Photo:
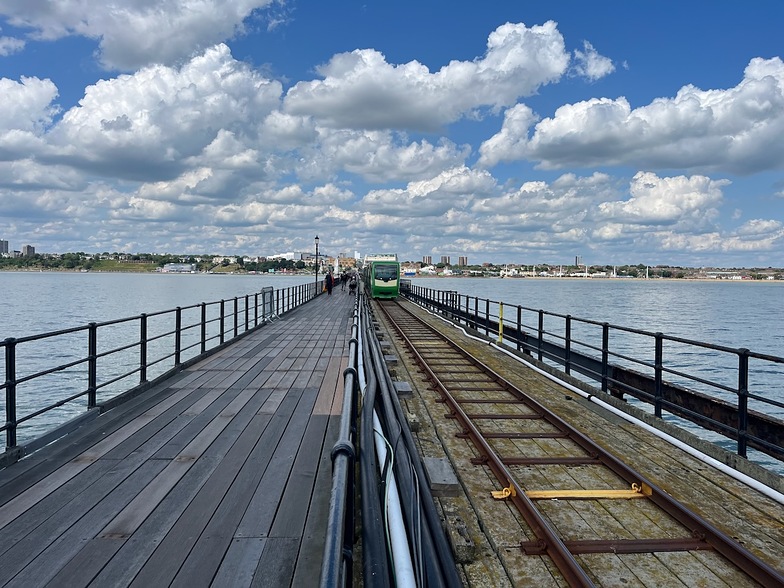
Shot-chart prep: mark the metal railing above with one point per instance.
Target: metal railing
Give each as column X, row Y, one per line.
column 731, row 391
column 121, row 358
column 337, row 563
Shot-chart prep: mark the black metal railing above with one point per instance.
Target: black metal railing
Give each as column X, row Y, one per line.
column 121, row 358
column 732, row 391
column 337, row 563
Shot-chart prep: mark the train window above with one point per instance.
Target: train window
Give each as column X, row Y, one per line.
column 386, row 271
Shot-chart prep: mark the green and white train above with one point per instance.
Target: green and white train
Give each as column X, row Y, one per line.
column 382, row 275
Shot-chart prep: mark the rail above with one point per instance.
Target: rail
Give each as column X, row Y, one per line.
column 730, row 391
column 123, row 358
column 337, row 562
column 402, row 538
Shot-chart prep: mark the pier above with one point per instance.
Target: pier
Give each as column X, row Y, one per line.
column 222, row 473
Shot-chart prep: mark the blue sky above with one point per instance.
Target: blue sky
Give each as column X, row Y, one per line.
column 527, row 132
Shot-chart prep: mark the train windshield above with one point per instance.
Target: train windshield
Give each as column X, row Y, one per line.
column 385, row 271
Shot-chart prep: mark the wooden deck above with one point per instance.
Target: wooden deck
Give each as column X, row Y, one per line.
column 219, row 476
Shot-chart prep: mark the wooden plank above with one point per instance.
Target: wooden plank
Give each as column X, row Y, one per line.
column 132, row 516
column 61, row 549
column 132, row 554
column 311, row 551
column 292, row 510
column 276, row 566
column 166, row 560
column 239, row 565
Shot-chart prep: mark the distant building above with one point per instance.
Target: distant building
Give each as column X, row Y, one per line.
column 3, row 247
column 446, row 260
column 462, row 261
column 179, row 268
column 28, row 251
column 427, row 260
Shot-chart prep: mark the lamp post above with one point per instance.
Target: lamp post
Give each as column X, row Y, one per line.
column 317, row 265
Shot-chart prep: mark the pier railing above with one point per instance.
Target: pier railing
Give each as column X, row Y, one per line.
column 734, row 392
column 95, row 366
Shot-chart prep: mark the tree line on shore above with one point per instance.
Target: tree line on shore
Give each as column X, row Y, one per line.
column 143, row 262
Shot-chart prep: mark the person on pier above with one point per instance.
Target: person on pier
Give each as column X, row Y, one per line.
column 329, row 282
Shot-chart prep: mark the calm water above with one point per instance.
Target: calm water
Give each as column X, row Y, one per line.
column 732, row 314
column 36, row 302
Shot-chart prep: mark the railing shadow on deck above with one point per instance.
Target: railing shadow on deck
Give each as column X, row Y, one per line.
column 733, row 392
column 124, row 357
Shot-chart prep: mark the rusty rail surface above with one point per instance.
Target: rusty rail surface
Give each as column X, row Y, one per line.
column 449, row 369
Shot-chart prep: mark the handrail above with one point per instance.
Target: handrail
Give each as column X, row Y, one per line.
column 152, row 345
column 338, row 548
column 722, row 390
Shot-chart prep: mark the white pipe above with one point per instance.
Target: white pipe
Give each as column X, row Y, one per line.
column 740, row 476
column 401, row 556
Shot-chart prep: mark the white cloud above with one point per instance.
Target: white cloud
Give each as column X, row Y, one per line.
column 10, row 45
column 590, row 64
column 136, row 33
column 666, row 201
column 27, row 105
column 377, row 156
column 451, row 189
column 738, row 130
column 360, row 90
column 146, row 125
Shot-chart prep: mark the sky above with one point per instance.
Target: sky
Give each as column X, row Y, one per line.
column 645, row 132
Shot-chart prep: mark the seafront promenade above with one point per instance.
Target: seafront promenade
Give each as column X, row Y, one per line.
column 219, row 475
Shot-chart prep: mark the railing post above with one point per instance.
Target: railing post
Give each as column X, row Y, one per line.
column 605, row 354
column 92, row 366
column 540, row 342
column 743, row 400
column 568, row 345
column 236, row 313
column 658, row 366
column 519, row 327
column 142, row 348
column 256, row 309
column 476, row 313
column 222, row 321
column 177, row 335
column 487, row 316
column 500, row 323
column 203, row 327
column 10, row 393
column 247, row 311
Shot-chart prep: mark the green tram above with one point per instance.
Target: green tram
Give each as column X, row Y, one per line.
column 382, row 275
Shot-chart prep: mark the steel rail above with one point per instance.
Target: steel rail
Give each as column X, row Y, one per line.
column 557, row 549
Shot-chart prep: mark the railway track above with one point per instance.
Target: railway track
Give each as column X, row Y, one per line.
column 551, row 473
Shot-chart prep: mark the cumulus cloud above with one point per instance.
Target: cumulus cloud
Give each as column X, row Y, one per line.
column 451, row 189
column 377, row 156
column 666, row 201
column 146, row 125
column 136, row 33
column 27, row 105
column 361, row 89
column 739, row 130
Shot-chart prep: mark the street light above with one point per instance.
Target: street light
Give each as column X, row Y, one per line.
column 317, row 264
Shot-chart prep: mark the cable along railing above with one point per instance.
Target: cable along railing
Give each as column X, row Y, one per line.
column 734, row 392
column 54, row 381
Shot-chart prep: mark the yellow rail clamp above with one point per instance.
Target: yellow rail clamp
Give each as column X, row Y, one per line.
column 505, row 493
column 636, row 491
